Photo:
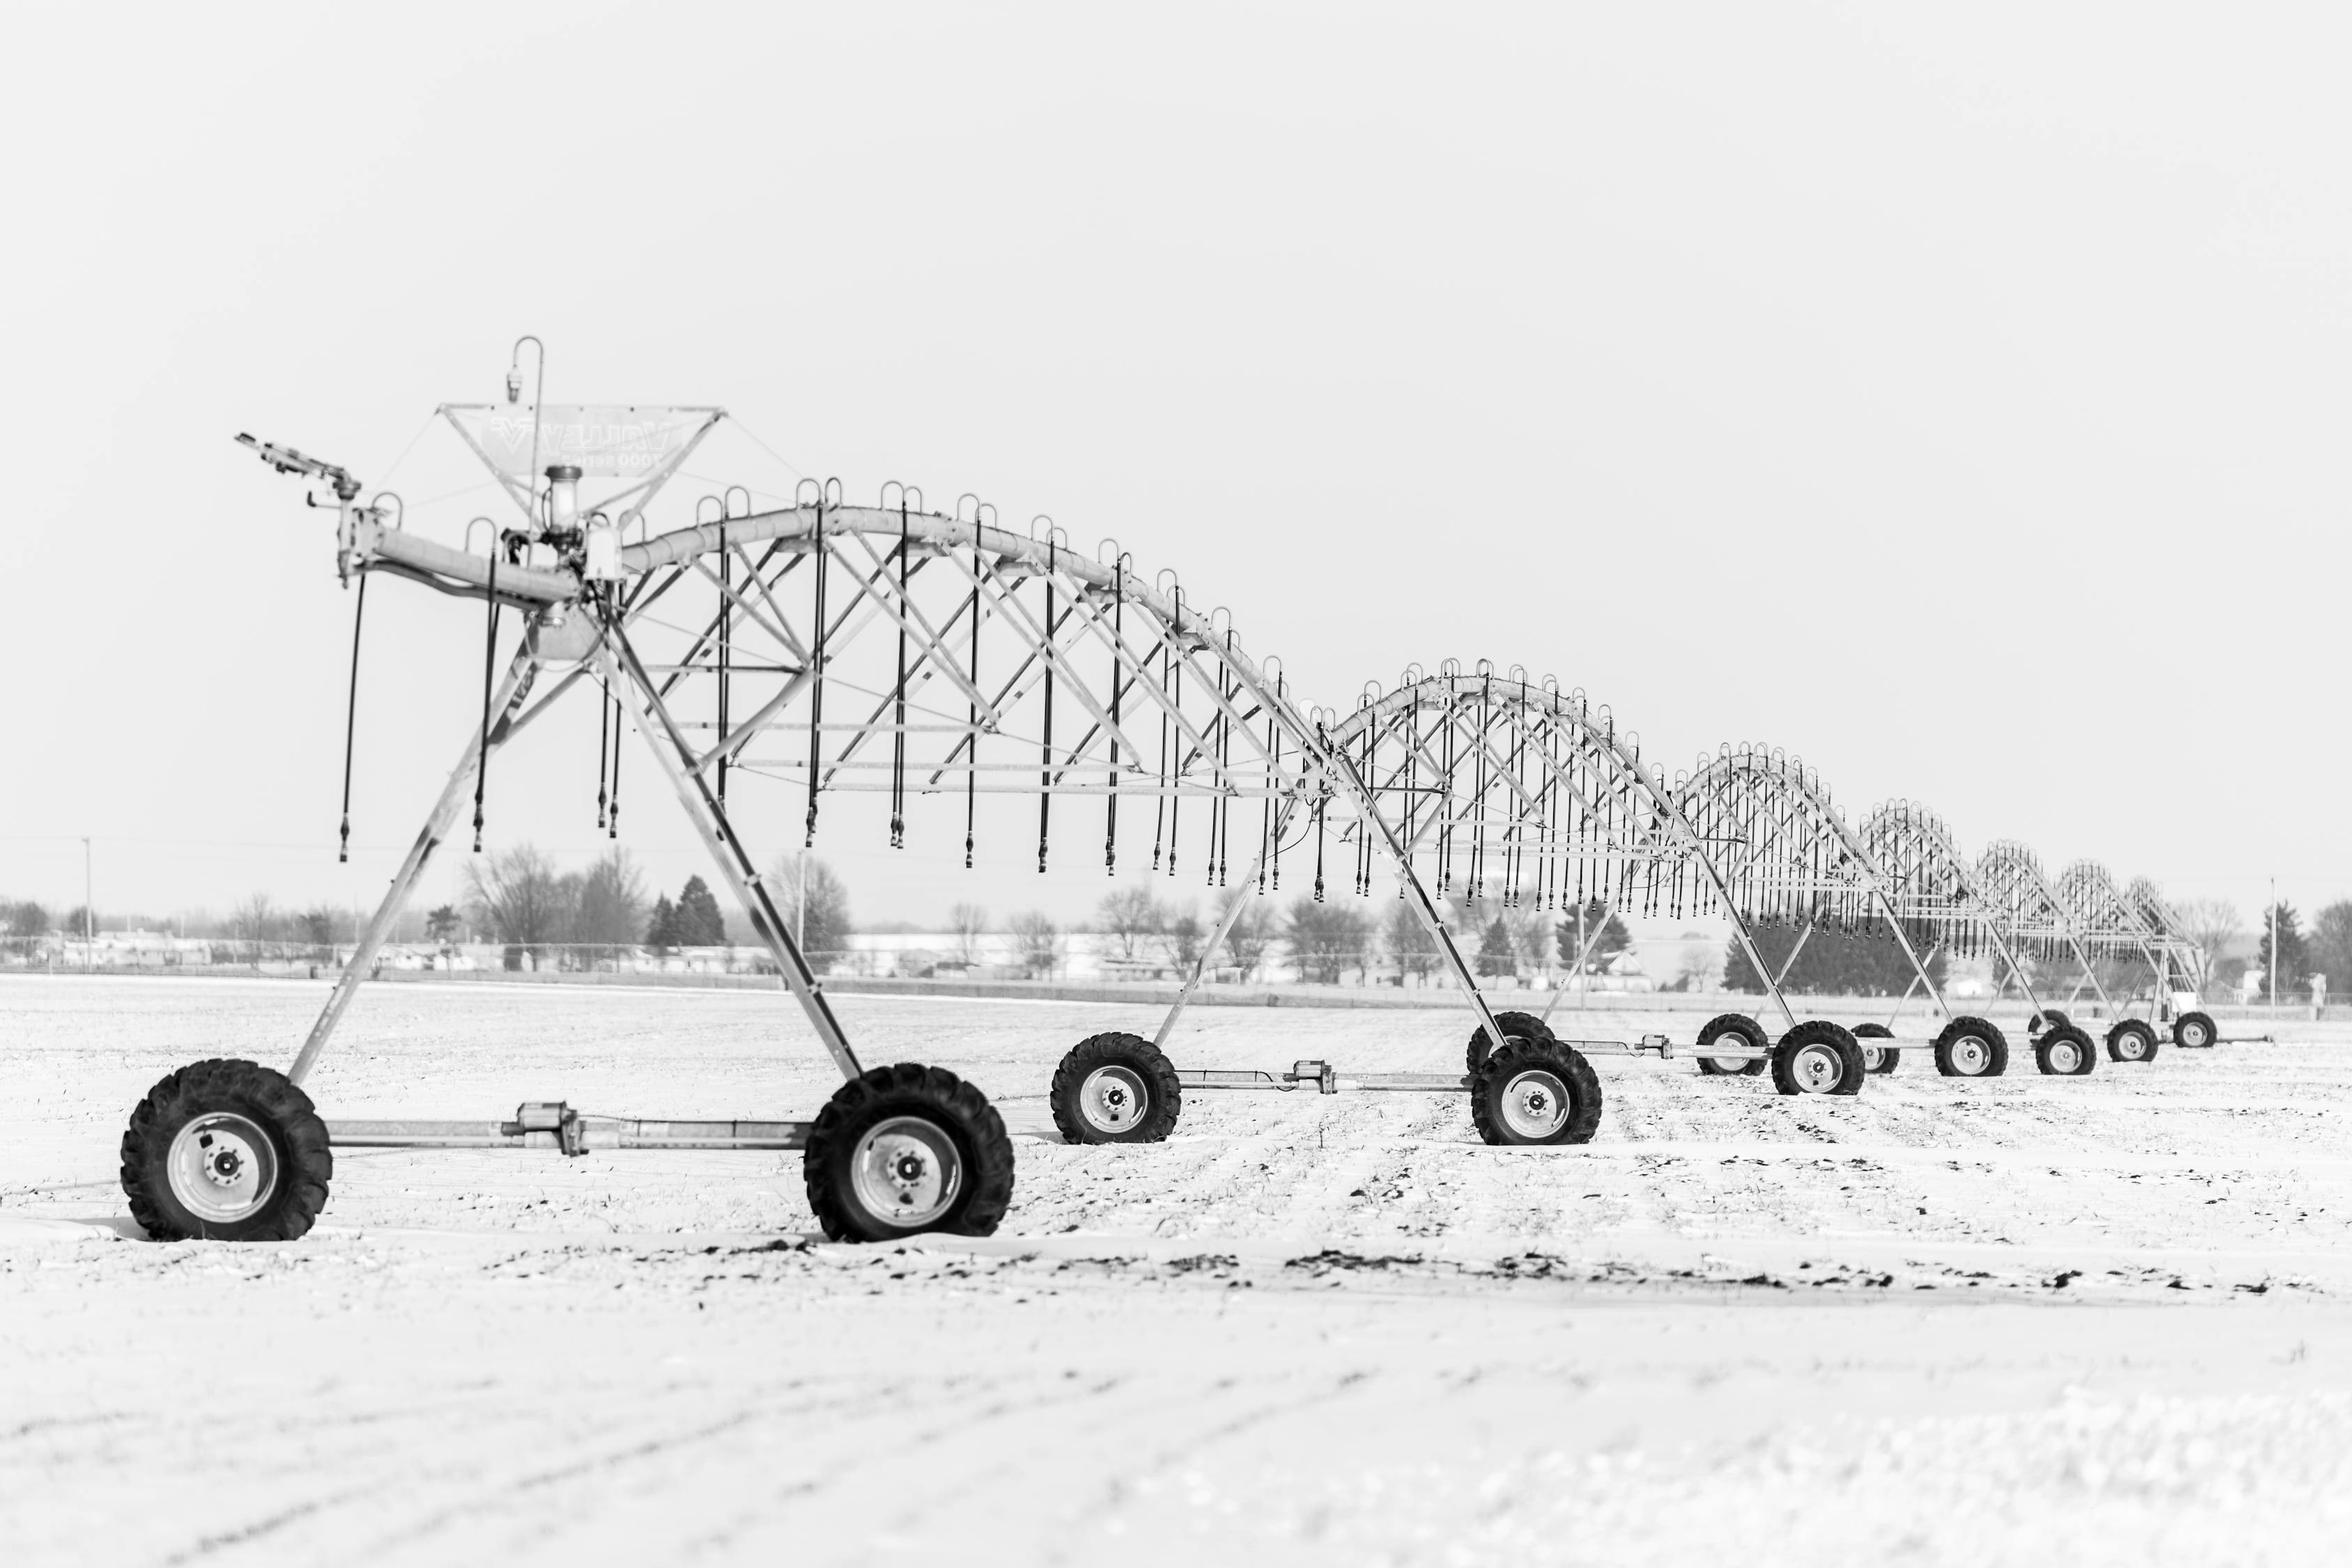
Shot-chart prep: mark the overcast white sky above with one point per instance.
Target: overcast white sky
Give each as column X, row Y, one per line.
column 1956, row 398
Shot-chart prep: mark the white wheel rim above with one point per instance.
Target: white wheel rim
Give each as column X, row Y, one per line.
column 1535, row 1104
column 2131, row 1048
column 1872, row 1057
column 1113, row 1098
column 1728, row 1064
column 222, row 1168
column 1971, row 1056
column 1817, row 1069
column 906, row 1171
column 2066, row 1056
column 2193, row 1034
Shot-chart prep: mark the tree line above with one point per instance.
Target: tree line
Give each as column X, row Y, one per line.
column 1872, row 964
column 1321, row 941
column 518, row 897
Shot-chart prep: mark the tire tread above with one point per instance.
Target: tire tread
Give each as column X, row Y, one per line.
column 306, row 1157
column 911, row 1087
column 1115, row 1048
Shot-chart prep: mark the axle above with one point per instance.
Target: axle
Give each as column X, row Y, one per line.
column 555, row 1125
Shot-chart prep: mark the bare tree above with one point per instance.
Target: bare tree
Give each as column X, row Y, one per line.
column 968, row 922
column 1531, row 936
column 1701, row 963
column 1326, row 940
column 1130, row 915
column 1039, row 942
column 518, row 894
column 2212, row 924
column 255, row 920
column 608, row 909
column 1252, row 929
column 1180, row 937
column 1410, row 946
column 818, row 915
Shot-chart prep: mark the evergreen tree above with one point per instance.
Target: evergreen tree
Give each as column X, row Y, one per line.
column 661, row 931
column 1614, row 939
column 2293, row 956
column 699, row 920
column 1495, row 955
column 2331, row 946
column 1832, row 964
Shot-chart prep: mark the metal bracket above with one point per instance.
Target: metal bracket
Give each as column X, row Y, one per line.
column 550, row 1116
column 1322, row 1075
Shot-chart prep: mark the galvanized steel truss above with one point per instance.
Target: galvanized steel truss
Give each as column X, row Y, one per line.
column 830, row 648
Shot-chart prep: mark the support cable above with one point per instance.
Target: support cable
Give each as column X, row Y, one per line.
column 1119, row 645
column 351, row 717
column 612, row 825
column 971, row 707
column 489, row 670
column 816, row 685
column 604, row 747
column 898, row 695
column 1045, row 751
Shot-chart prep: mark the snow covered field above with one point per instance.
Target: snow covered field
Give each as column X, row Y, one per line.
column 2092, row 1321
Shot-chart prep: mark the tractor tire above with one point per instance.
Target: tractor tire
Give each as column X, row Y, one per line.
column 2194, row 1031
column 1116, row 1089
column 1751, row 1033
column 226, row 1151
column 2048, row 1019
column 1877, row 1058
column 2132, row 1040
column 1818, row 1057
column 1971, row 1048
column 1535, row 1091
column 1515, row 1025
column 2064, row 1052
column 902, row 1149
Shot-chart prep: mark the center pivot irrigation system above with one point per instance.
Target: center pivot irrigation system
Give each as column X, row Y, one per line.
column 810, row 648
column 1482, row 787
column 823, row 647
column 2136, row 924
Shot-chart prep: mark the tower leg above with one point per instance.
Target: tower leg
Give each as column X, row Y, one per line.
column 403, row 882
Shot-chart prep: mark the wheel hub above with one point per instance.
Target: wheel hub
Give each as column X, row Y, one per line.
column 1971, row 1056
column 906, row 1172
column 2065, row 1055
column 222, row 1167
column 1817, row 1069
column 1535, row 1104
column 1113, row 1098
